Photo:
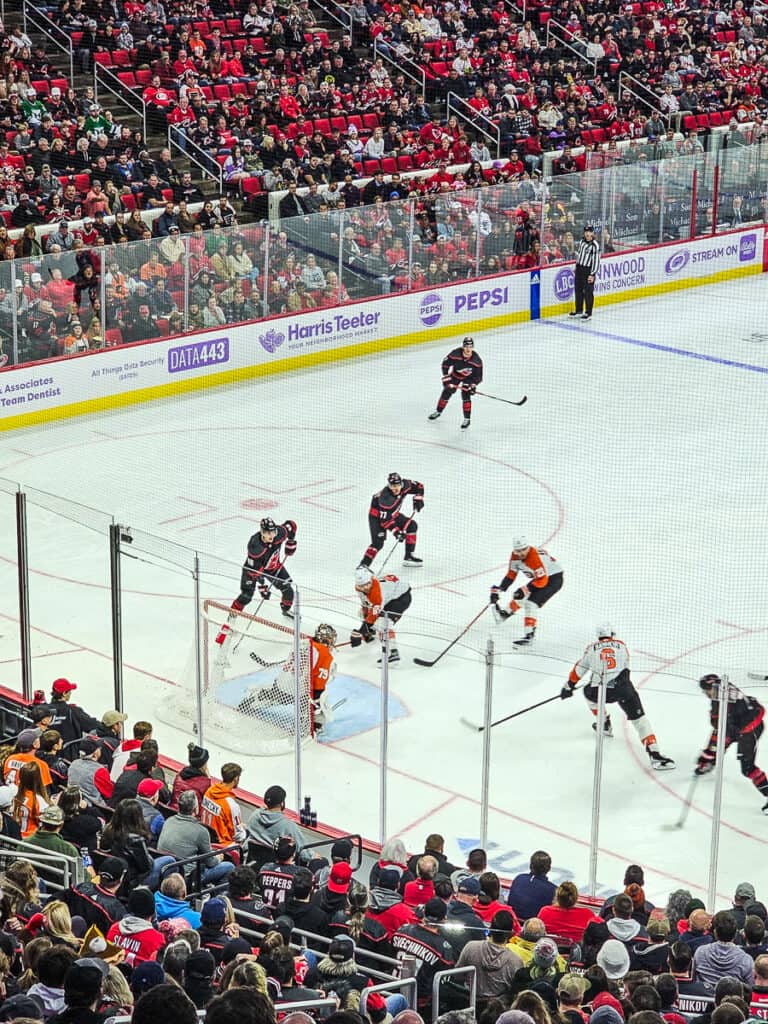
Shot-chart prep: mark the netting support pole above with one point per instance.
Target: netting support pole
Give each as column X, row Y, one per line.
column 116, row 599
column 384, row 731
column 594, row 833
column 487, row 715
column 22, row 562
column 297, row 696
column 198, row 654
column 717, row 806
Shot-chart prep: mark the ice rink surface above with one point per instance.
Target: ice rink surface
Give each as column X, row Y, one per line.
column 638, row 460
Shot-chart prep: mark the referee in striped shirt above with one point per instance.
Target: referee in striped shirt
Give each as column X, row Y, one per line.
column 587, row 263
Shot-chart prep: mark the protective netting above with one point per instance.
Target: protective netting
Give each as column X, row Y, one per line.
column 249, row 684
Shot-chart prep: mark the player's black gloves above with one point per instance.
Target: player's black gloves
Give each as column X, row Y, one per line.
column 469, row 389
column 494, row 595
column 367, row 632
column 265, row 591
column 290, row 548
column 566, row 692
column 418, row 504
column 400, row 535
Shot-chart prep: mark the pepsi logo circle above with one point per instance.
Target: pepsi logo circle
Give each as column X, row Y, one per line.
column 677, row 261
column 430, row 309
column 564, row 284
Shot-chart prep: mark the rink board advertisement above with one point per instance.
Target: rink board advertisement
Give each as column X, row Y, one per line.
column 135, row 373
column 643, row 272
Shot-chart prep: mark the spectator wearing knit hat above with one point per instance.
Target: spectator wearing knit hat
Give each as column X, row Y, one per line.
column 135, row 933
column 194, row 775
column 545, row 966
column 495, row 963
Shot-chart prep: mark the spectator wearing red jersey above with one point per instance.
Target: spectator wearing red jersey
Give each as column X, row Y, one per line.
column 564, row 917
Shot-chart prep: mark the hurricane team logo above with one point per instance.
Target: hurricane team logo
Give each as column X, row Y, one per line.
column 747, row 248
column 677, row 261
column 564, row 284
column 272, row 340
column 430, row 309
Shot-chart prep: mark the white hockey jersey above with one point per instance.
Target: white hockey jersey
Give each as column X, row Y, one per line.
column 381, row 593
column 605, row 659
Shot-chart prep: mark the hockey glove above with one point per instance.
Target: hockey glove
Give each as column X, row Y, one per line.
column 449, row 382
column 567, row 691
column 367, row 632
column 290, row 548
column 469, row 389
column 494, row 595
column 706, row 763
column 265, row 591
column 418, row 504
column 400, row 535
column 290, row 528
column 521, row 594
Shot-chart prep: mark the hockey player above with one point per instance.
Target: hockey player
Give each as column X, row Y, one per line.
column 545, row 578
column 264, row 568
column 317, row 655
column 386, row 596
column 744, row 727
column 462, row 368
column 384, row 514
column 608, row 661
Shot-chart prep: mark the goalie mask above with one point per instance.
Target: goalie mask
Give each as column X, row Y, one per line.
column 325, row 634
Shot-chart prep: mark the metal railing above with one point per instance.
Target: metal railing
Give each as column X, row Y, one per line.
column 458, row 107
column 197, row 864
column 57, row 869
column 56, row 36
column 391, row 987
column 559, row 33
column 402, row 66
column 452, row 972
column 340, row 15
column 357, row 846
column 208, row 165
column 105, row 80
column 644, row 96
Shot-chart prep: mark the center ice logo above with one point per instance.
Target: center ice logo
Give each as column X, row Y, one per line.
column 430, row 309
column 677, row 261
column 272, row 340
column 564, row 284
column 747, row 248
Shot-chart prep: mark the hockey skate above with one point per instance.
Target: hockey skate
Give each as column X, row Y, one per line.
column 287, row 612
column 659, row 763
column 410, row 559
column 765, row 808
column 607, row 727
column 434, row 415
column 465, row 423
column 524, row 641
column 394, row 656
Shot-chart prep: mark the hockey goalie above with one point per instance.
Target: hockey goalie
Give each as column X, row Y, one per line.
column 275, row 701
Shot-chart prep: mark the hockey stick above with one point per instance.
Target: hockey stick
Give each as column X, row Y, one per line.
column 758, row 677
column 485, row 394
column 429, row 664
column 481, row 728
column 252, row 615
column 397, row 541
column 685, row 808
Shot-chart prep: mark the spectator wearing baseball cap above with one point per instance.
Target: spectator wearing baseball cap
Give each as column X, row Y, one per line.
column 109, row 734
column 89, row 775
column 338, row 972
column 387, row 908
column 68, row 719
column 570, row 995
column 47, row 835
column 148, row 794
column 214, row 931
column 301, row 908
column 332, row 897
column 464, row 923
column 96, row 900
column 8, row 824
column 424, row 941
column 83, row 987
column 341, row 851
column 494, row 961
column 745, row 893
column 25, row 750
column 271, row 822
column 21, row 1005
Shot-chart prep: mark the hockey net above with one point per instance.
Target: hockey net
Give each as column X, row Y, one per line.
column 249, row 685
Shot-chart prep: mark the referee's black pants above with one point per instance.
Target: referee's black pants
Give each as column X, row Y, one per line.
column 585, row 291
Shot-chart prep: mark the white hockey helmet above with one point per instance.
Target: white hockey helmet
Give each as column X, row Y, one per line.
column 604, row 629
column 520, row 543
column 363, row 576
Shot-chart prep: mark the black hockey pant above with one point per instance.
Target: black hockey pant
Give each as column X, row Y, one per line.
column 466, row 400
column 622, row 692
column 379, row 534
column 280, row 579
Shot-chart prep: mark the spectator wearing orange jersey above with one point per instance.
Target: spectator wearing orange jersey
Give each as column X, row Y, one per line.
column 27, row 745
column 220, row 810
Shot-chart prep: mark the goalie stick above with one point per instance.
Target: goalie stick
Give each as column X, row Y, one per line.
column 485, row 394
column 429, row 664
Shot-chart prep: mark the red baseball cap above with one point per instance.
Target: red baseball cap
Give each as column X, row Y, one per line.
column 340, row 877
column 63, row 686
column 148, row 787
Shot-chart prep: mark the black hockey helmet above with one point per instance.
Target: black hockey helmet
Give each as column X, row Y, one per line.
column 394, row 478
column 708, row 681
column 468, row 342
column 267, row 524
